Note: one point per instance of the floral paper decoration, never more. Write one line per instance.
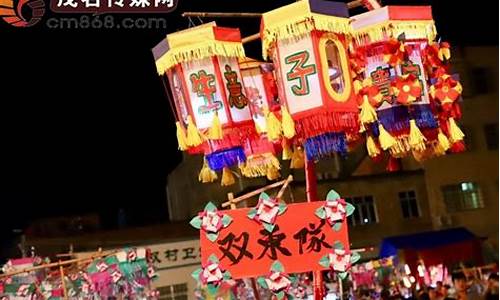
(266, 211)
(406, 88)
(212, 275)
(340, 260)
(211, 221)
(277, 281)
(335, 210)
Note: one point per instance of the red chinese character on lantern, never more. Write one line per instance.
(300, 71)
(203, 85)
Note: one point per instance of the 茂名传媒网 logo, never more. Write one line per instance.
(17, 14)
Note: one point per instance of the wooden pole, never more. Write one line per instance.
(250, 38)
(63, 282)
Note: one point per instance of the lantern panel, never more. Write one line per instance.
(204, 92)
(257, 97)
(299, 73)
(234, 89)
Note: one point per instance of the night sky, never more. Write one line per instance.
(85, 126)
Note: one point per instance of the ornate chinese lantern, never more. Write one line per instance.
(212, 110)
(399, 83)
(308, 46)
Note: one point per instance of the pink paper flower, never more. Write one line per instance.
(340, 260)
(211, 273)
(267, 210)
(278, 282)
(335, 211)
(211, 221)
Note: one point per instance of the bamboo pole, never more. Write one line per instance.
(58, 264)
(257, 191)
(250, 38)
(63, 282)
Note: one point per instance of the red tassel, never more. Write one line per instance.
(394, 164)
(378, 158)
(458, 147)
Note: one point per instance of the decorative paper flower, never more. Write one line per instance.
(367, 89)
(434, 54)
(277, 281)
(446, 90)
(266, 211)
(394, 52)
(211, 221)
(340, 260)
(406, 88)
(335, 210)
(211, 274)
(357, 59)
(299, 292)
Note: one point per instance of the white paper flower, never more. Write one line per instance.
(335, 211)
(277, 282)
(340, 260)
(211, 221)
(211, 273)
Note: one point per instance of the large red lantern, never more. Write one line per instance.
(212, 110)
(307, 43)
(398, 83)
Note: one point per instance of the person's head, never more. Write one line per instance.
(439, 285)
(432, 293)
(459, 281)
(493, 281)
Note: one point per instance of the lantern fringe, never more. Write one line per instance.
(396, 119)
(443, 141)
(324, 122)
(273, 173)
(372, 147)
(293, 27)
(287, 150)
(386, 140)
(287, 123)
(401, 147)
(215, 131)
(197, 51)
(367, 113)
(225, 158)
(455, 133)
(227, 177)
(414, 29)
(325, 145)
(206, 174)
(193, 135)
(259, 165)
(297, 161)
(273, 126)
(416, 138)
(181, 136)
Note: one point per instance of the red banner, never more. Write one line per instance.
(299, 240)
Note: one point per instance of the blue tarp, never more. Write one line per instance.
(424, 240)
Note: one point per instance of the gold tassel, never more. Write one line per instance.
(287, 151)
(444, 144)
(272, 173)
(227, 177)
(181, 136)
(358, 85)
(215, 131)
(367, 113)
(206, 174)
(386, 140)
(193, 135)
(287, 123)
(273, 126)
(416, 138)
(455, 133)
(297, 161)
(371, 146)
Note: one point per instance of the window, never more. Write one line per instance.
(174, 292)
(480, 80)
(334, 67)
(409, 205)
(491, 136)
(365, 212)
(462, 196)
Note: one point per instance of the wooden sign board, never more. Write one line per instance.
(299, 240)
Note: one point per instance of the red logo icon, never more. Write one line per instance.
(25, 13)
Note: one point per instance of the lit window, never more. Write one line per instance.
(335, 67)
(365, 212)
(462, 196)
